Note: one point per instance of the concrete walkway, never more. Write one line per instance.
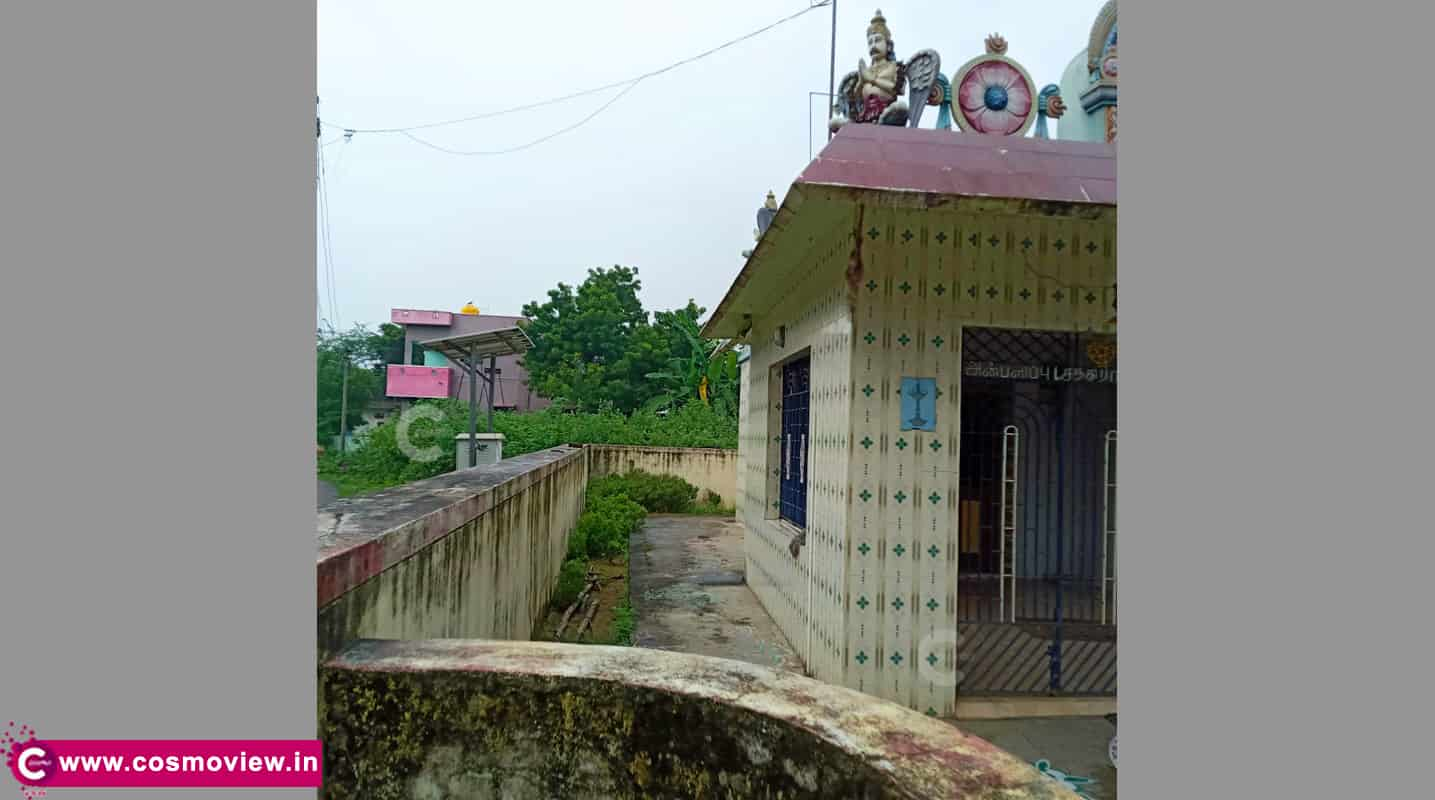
(327, 493)
(687, 585)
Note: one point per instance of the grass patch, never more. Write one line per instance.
(624, 621)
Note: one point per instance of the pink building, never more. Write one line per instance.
(428, 374)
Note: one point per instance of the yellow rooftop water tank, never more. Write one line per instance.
(469, 308)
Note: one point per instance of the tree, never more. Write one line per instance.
(364, 351)
(592, 347)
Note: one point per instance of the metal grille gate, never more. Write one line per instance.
(1036, 518)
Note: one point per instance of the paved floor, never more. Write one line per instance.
(327, 493)
(688, 592)
(1076, 746)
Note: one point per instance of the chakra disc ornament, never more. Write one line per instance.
(994, 95)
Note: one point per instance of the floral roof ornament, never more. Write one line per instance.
(994, 94)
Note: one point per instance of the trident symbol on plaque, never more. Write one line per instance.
(917, 393)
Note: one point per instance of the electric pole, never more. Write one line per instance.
(832, 72)
(344, 408)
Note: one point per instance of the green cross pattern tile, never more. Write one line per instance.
(1026, 243)
(932, 659)
(974, 238)
(898, 604)
(868, 390)
(939, 289)
(862, 602)
(896, 659)
(993, 241)
(907, 235)
(935, 498)
(1060, 245)
(941, 237)
(937, 341)
(866, 442)
(931, 712)
(871, 286)
(900, 550)
(1091, 247)
(904, 339)
(901, 444)
(870, 337)
(873, 232)
(905, 287)
(861, 657)
(864, 548)
(899, 496)
(865, 495)
(932, 604)
(935, 445)
(934, 551)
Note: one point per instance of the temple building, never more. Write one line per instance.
(1090, 83)
(928, 434)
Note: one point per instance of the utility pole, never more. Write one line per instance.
(832, 72)
(344, 408)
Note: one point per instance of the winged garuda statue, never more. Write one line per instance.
(873, 94)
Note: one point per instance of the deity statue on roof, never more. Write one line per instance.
(873, 93)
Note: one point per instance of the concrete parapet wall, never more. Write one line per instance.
(479, 719)
(469, 554)
(709, 469)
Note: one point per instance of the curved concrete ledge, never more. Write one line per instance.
(468, 718)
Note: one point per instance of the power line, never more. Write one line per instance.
(328, 242)
(533, 143)
(629, 82)
(322, 283)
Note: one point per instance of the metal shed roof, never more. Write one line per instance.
(498, 342)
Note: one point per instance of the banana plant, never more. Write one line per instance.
(696, 375)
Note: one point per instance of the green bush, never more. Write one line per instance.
(659, 494)
(381, 463)
(571, 580)
(606, 524)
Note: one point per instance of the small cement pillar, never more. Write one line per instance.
(490, 449)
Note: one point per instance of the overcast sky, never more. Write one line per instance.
(668, 179)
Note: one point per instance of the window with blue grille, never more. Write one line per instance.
(796, 383)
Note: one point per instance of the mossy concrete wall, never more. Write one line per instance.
(469, 554)
(483, 719)
(709, 469)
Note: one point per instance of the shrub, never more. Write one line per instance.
(660, 494)
(606, 524)
(571, 580)
(381, 463)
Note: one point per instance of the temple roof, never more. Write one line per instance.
(889, 158)
(914, 169)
